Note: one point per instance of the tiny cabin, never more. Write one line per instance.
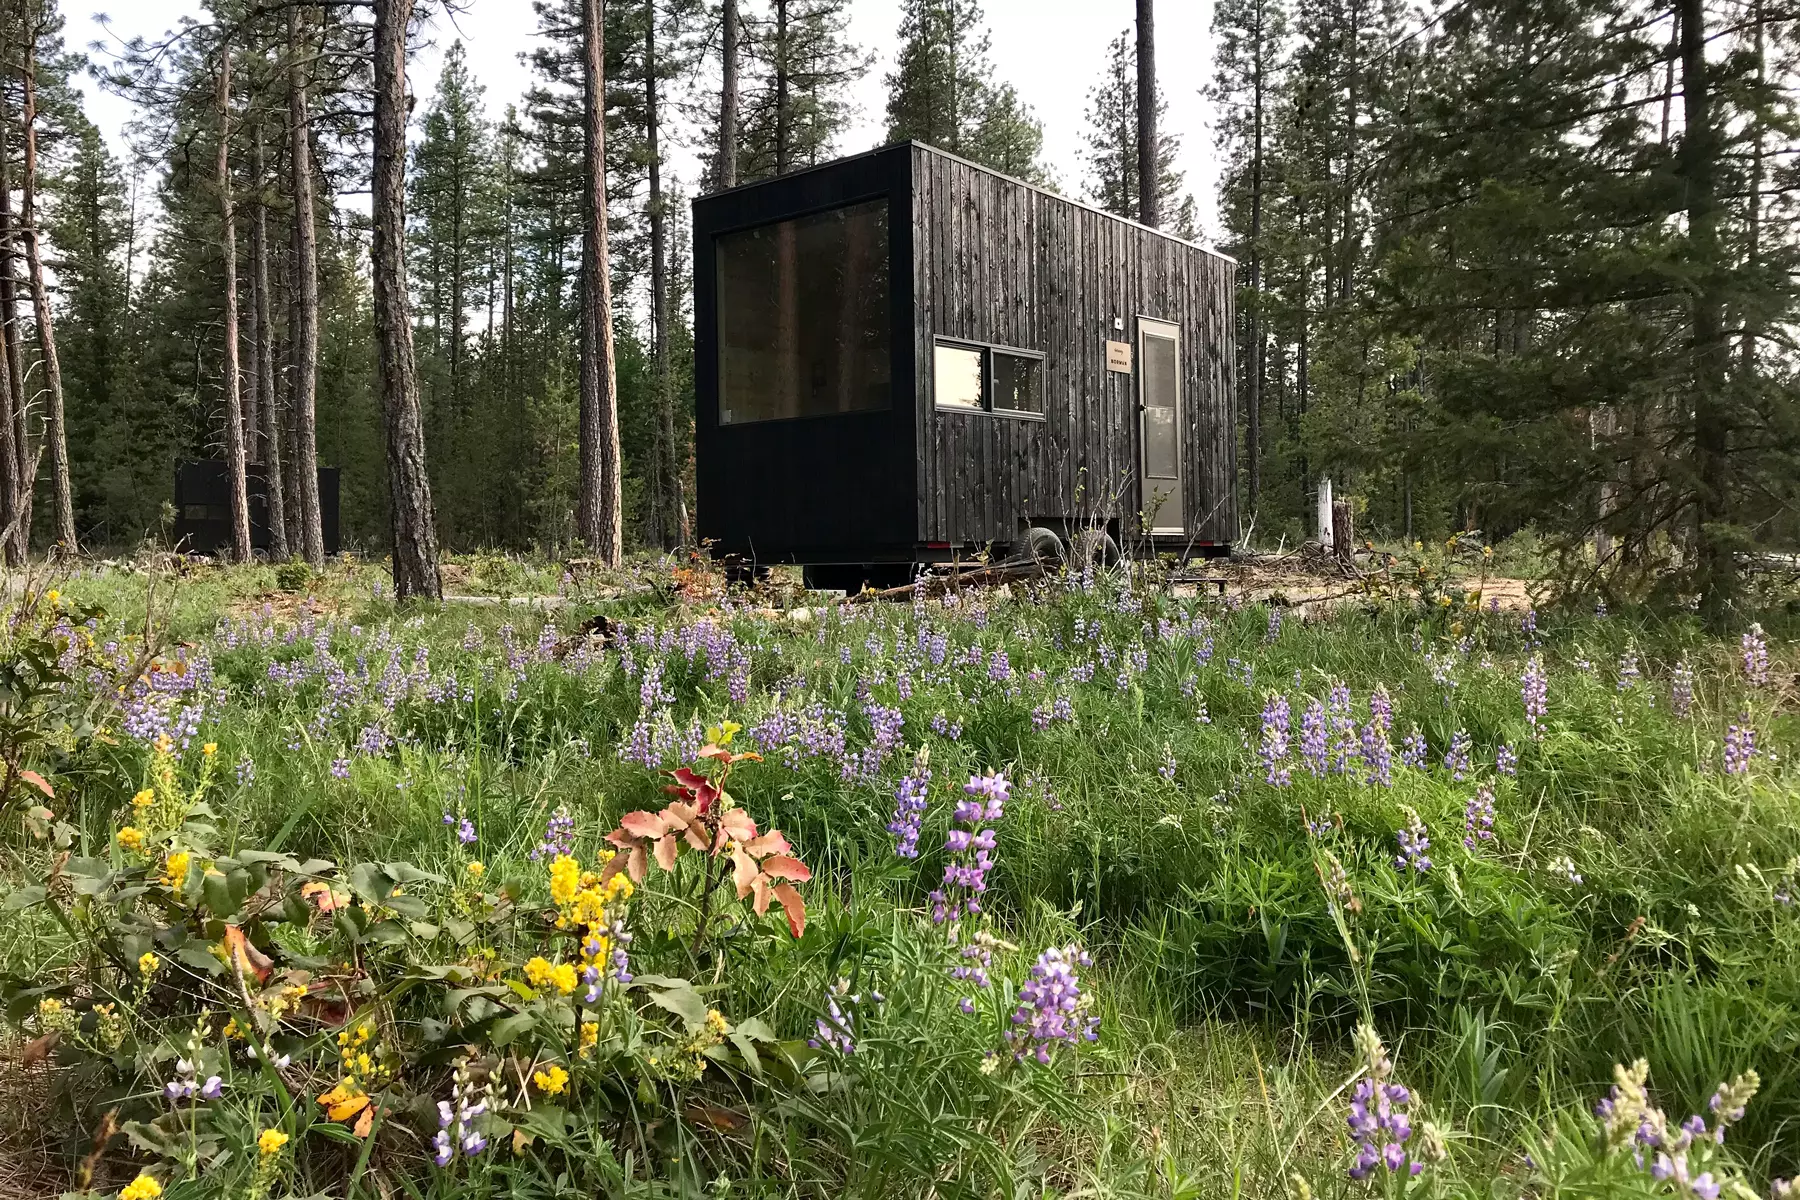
(904, 357)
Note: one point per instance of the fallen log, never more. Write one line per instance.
(937, 585)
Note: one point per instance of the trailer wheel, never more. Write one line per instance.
(1043, 546)
(1096, 548)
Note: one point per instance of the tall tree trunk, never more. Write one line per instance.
(234, 409)
(784, 93)
(10, 541)
(396, 377)
(458, 201)
(599, 501)
(1347, 251)
(1253, 401)
(1753, 202)
(728, 97)
(305, 333)
(40, 303)
(24, 469)
(671, 504)
(275, 503)
(1146, 112)
(1697, 159)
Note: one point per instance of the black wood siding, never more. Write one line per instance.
(1001, 262)
(827, 488)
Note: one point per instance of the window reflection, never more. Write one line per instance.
(956, 377)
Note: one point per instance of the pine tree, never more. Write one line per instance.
(1250, 36)
(451, 170)
(1111, 152)
(942, 91)
(796, 102)
(410, 517)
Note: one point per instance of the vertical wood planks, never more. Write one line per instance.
(1002, 263)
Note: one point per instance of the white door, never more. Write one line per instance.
(1160, 426)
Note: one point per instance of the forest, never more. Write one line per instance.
(1502, 266)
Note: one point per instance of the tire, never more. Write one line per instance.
(1044, 547)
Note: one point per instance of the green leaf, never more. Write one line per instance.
(371, 883)
(273, 858)
(682, 1000)
(201, 958)
(507, 1029)
(26, 897)
(405, 872)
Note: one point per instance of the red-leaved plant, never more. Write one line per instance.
(707, 819)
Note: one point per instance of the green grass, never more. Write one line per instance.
(1143, 829)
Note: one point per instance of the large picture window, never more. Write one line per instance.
(803, 317)
(968, 377)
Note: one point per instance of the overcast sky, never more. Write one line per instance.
(1052, 51)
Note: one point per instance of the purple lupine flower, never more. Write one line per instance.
(1274, 629)
(1274, 748)
(1478, 817)
(1414, 750)
(1534, 690)
(1681, 690)
(1457, 759)
(1052, 1009)
(1628, 671)
(340, 768)
(559, 836)
(909, 808)
(972, 848)
(999, 667)
(1415, 843)
(1756, 656)
(1315, 735)
(1506, 759)
(1378, 1117)
(1740, 746)
(836, 1030)
(246, 771)
(1167, 769)
(1377, 752)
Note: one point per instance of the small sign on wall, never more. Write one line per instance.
(1118, 357)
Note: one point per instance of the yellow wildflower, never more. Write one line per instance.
(53, 595)
(563, 976)
(210, 749)
(565, 878)
(175, 868)
(144, 799)
(163, 744)
(271, 1141)
(475, 870)
(148, 962)
(715, 1023)
(538, 971)
(141, 1188)
(590, 1036)
(553, 1081)
(131, 838)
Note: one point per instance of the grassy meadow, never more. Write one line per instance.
(1100, 890)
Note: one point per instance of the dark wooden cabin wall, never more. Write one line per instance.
(1002, 263)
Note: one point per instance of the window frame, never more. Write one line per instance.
(987, 350)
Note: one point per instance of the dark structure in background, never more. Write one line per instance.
(903, 357)
(203, 507)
